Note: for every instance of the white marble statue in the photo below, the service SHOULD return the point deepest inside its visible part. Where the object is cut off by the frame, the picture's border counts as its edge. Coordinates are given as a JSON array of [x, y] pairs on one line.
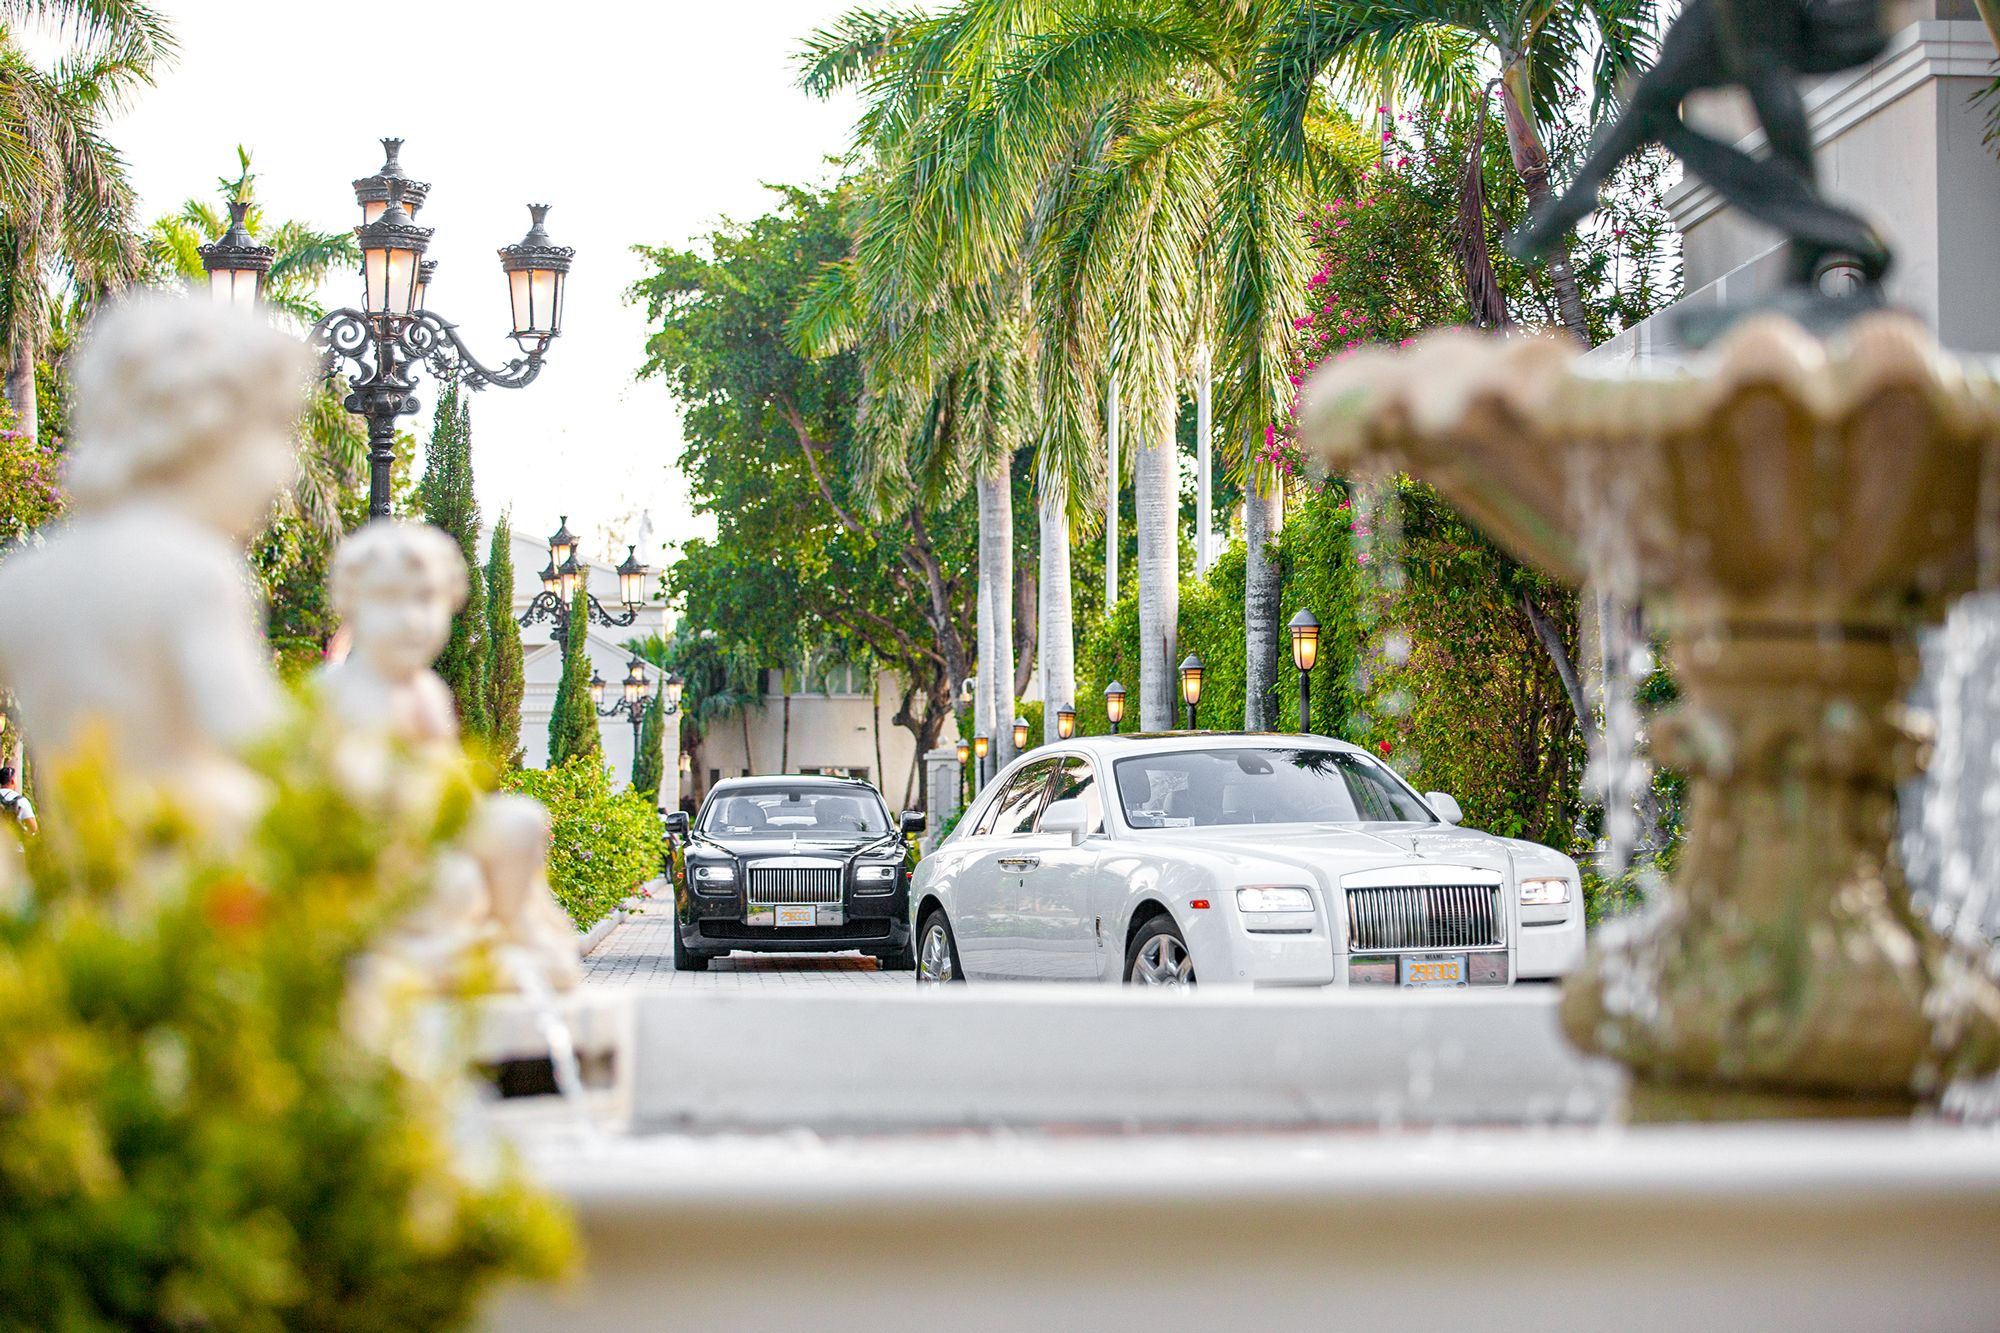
[[396, 586], [132, 628]]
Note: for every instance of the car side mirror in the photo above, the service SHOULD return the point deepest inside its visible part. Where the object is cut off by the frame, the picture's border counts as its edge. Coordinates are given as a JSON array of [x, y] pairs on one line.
[[914, 821], [677, 823], [1069, 817], [1444, 807]]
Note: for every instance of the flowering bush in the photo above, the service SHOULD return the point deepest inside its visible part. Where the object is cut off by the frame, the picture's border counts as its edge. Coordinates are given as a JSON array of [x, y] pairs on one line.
[[602, 846], [30, 481]]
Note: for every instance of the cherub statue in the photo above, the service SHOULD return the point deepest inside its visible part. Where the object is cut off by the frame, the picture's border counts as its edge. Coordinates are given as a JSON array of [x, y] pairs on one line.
[[395, 586], [132, 627], [1762, 47]]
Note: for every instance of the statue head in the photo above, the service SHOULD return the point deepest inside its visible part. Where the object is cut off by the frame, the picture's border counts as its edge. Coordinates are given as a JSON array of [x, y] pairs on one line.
[[395, 586], [188, 403], [510, 840]]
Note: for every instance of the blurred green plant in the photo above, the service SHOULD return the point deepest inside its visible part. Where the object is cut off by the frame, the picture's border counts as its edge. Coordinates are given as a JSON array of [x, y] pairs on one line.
[[192, 1136], [602, 845]]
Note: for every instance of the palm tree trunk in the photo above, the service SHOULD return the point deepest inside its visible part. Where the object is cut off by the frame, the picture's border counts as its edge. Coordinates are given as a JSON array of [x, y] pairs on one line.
[[996, 604], [1263, 520], [1156, 507], [1027, 623], [21, 390], [1531, 162], [1110, 491], [1204, 452], [1056, 608]]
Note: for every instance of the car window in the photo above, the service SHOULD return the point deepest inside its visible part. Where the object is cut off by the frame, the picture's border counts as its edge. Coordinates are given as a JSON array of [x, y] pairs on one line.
[[1077, 782], [1260, 785], [781, 810], [1022, 801]]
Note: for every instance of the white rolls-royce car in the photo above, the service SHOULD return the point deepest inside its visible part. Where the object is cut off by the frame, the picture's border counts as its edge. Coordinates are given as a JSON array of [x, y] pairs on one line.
[[1254, 859]]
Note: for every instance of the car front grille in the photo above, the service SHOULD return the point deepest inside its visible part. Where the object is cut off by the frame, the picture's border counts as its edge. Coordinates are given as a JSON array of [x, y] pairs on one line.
[[876, 928], [794, 884], [1421, 917]]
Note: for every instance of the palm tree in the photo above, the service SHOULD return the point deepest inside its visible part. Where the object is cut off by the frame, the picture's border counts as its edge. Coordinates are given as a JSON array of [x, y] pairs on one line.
[[1538, 46], [66, 208], [333, 448]]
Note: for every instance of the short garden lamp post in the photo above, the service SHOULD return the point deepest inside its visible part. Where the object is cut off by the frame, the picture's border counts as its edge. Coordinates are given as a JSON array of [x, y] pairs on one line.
[[1020, 733], [1191, 686], [1114, 705], [637, 691], [965, 768], [980, 745], [566, 570], [394, 333], [1065, 722], [1305, 652]]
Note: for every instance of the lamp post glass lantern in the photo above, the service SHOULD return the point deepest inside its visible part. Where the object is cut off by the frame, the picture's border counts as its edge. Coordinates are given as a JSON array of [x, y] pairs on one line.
[[1020, 733], [1191, 671], [235, 264], [393, 334], [1114, 705], [1305, 653], [1065, 722]]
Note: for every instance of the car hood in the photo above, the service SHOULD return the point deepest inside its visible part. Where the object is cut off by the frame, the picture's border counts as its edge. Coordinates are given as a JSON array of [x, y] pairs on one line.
[[1328, 851], [818, 844]]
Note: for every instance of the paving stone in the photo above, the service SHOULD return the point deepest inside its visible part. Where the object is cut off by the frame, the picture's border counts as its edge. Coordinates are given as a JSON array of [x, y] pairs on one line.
[[639, 954]]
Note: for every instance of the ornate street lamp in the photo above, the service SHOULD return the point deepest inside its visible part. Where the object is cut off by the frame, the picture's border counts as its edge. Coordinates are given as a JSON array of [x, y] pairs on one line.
[[1114, 704], [566, 572], [236, 264], [670, 690], [1305, 652], [394, 332], [1065, 722], [1191, 686], [637, 689], [1020, 733]]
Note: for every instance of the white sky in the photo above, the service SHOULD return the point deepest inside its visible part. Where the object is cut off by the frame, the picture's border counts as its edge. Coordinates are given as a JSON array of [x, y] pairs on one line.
[[640, 123]]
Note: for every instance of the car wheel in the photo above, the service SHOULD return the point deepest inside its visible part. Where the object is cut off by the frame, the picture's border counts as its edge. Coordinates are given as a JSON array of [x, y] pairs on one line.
[[898, 960], [1159, 956], [684, 959], [937, 951]]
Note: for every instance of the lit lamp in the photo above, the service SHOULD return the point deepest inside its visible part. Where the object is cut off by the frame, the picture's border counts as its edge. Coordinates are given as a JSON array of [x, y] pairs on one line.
[[551, 581], [536, 273], [965, 770], [1114, 705], [631, 578], [425, 272], [638, 685], [236, 264], [1065, 722], [981, 745], [392, 249], [671, 688], [1020, 733], [596, 689], [372, 192], [1305, 652], [571, 573], [687, 763], [964, 753], [1191, 686], [563, 545]]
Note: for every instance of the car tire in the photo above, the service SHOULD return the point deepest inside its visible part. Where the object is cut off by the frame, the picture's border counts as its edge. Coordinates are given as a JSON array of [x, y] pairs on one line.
[[1158, 956], [685, 959], [898, 960], [937, 957]]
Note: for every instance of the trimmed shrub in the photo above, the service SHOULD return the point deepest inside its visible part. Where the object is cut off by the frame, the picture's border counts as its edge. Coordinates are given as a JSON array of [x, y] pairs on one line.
[[601, 845]]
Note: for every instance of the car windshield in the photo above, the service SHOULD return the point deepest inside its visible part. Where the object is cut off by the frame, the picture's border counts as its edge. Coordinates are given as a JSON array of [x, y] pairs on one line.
[[781, 810], [1261, 785]]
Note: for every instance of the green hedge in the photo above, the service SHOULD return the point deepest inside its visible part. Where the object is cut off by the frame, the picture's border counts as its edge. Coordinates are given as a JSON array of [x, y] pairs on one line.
[[602, 845]]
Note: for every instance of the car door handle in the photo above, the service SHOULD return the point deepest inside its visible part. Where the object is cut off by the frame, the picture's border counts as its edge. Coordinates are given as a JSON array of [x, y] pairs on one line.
[[1019, 862]]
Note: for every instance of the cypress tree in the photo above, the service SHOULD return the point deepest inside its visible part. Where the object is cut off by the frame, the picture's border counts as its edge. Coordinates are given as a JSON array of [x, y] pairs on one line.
[[504, 679], [651, 765], [448, 503], [573, 720]]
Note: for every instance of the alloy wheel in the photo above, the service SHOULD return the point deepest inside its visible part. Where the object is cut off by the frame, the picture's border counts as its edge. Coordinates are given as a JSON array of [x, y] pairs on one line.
[[1163, 961], [934, 958]]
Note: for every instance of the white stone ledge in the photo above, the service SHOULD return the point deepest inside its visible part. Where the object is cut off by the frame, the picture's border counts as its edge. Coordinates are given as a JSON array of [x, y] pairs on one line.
[[1033, 1056]]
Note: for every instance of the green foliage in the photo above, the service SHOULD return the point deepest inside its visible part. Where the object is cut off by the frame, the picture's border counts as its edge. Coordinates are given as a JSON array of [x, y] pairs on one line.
[[31, 492], [573, 718], [449, 504], [505, 677], [194, 1136], [601, 845], [290, 559], [649, 767]]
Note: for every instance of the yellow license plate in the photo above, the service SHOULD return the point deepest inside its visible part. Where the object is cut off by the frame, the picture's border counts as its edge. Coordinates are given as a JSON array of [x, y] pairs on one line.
[[1424, 971], [791, 915]]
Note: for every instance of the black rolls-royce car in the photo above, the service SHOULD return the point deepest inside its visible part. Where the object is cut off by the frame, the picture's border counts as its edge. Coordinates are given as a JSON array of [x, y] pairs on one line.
[[793, 865]]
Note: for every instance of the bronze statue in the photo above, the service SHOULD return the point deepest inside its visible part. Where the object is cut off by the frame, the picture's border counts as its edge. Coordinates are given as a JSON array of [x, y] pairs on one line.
[[1762, 47]]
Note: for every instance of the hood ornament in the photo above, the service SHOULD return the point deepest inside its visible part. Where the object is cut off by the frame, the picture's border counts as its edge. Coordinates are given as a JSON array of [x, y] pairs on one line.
[[1416, 846]]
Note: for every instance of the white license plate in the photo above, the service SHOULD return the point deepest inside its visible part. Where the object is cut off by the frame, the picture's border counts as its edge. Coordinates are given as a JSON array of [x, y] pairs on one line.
[[1426, 970], [798, 915]]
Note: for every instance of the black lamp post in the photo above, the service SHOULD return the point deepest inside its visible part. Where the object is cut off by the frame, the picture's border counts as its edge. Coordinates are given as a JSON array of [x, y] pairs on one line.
[[559, 584], [1065, 722], [1191, 686], [394, 333], [980, 745], [637, 691], [1114, 704], [965, 770], [1305, 652]]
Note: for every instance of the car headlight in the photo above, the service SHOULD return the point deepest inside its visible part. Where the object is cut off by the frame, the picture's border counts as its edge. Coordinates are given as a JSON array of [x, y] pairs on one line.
[[1544, 892], [875, 874], [1273, 898], [715, 874]]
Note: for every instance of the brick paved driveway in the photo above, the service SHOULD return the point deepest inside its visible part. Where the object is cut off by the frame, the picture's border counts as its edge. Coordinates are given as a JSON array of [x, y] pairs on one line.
[[639, 953]]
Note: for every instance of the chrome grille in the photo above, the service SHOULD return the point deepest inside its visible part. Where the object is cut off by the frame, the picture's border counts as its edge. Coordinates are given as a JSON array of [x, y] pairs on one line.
[[1421, 917], [794, 884]]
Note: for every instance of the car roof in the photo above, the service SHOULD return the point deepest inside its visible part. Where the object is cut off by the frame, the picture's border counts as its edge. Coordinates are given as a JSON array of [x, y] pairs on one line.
[[797, 780], [1153, 742]]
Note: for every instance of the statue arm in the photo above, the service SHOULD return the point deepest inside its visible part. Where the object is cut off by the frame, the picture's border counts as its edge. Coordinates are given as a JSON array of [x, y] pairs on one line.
[[223, 662]]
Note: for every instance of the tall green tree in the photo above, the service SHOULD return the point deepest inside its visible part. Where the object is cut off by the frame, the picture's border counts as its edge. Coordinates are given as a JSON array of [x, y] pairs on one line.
[[505, 678], [450, 505], [649, 765], [573, 719]]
